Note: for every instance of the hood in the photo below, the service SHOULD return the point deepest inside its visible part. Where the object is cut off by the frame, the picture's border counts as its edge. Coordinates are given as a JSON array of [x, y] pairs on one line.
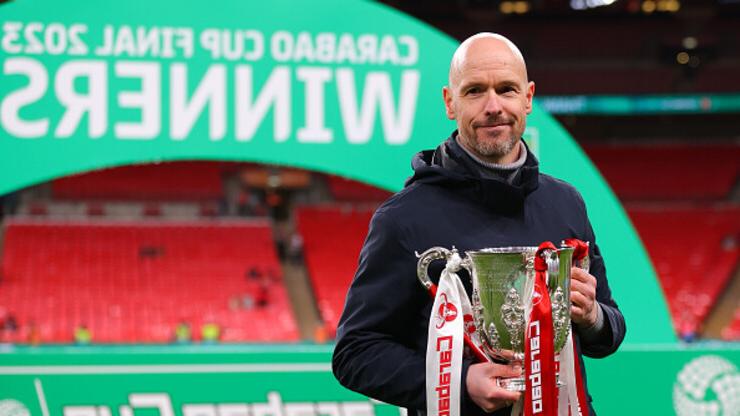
[[449, 166]]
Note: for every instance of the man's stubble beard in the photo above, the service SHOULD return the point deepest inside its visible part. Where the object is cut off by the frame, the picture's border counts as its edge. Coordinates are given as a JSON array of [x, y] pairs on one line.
[[492, 148]]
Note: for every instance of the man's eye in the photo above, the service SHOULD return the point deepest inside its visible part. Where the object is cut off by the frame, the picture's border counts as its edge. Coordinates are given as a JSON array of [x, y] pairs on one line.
[[474, 90], [507, 90]]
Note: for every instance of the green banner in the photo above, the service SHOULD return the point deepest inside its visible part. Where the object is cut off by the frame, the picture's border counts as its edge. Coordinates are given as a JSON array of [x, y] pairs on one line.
[[86, 85], [297, 380], [170, 381], [667, 379]]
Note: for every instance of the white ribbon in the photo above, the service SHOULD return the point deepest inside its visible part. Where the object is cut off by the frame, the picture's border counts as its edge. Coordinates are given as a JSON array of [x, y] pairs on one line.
[[445, 342], [568, 396]]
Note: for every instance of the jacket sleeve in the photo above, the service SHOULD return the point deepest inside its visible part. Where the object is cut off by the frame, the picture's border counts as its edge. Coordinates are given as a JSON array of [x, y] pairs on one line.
[[375, 354], [614, 329]]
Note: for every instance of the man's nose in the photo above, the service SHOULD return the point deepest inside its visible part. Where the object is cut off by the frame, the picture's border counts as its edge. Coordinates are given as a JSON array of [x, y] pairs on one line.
[[493, 103]]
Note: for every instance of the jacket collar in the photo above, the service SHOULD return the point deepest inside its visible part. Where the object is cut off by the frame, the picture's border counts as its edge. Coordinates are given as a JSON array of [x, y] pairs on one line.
[[449, 166]]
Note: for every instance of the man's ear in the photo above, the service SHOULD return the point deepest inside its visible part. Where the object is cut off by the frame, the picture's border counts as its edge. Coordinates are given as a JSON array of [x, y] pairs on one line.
[[449, 108], [530, 95]]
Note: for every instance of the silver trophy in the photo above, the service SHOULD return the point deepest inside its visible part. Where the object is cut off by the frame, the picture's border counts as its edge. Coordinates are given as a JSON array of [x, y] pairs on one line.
[[503, 285]]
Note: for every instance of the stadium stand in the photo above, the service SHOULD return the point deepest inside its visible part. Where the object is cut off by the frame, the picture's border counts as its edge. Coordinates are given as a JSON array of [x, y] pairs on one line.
[[695, 252], [718, 78], [679, 196], [603, 80], [332, 239], [134, 281], [175, 181], [347, 190], [668, 171], [624, 53]]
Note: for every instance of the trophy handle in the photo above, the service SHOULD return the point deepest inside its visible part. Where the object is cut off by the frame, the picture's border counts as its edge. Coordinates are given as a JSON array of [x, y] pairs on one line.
[[585, 262], [580, 253], [422, 272], [425, 259]]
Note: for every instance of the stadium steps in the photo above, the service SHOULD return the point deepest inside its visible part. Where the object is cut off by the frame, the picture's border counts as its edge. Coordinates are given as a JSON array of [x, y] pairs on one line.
[[735, 194], [723, 321], [302, 299], [333, 236], [732, 331]]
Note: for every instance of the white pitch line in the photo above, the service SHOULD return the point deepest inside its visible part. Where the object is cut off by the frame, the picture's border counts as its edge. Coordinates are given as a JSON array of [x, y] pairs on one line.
[[42, 397], [164, 369]]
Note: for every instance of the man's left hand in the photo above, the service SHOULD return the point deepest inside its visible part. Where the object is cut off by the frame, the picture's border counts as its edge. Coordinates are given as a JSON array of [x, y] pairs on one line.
[[583, 309]]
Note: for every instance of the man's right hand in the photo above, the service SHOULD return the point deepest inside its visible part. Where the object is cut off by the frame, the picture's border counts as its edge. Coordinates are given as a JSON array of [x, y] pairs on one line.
[[483, 388]]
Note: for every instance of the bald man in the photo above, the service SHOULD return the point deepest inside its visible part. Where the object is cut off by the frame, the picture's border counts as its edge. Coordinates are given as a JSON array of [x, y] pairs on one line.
[[489, 96], [480, 188]]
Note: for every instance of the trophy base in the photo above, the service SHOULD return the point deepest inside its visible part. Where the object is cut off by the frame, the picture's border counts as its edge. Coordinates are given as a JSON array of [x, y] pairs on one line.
[[519, 383]]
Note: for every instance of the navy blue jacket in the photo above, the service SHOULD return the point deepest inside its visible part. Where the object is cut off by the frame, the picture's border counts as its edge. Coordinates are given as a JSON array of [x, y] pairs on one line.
[[382, 334]]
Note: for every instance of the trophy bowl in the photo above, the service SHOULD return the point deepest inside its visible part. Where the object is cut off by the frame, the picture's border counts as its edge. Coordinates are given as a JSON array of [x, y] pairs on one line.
[[503, 287]]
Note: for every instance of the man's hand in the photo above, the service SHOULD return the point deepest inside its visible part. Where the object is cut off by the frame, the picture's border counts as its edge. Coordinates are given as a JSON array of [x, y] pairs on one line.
[[483, 388], [583, 309]]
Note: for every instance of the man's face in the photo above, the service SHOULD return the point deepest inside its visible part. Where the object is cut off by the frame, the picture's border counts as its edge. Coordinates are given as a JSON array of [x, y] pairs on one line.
[[489, 97]]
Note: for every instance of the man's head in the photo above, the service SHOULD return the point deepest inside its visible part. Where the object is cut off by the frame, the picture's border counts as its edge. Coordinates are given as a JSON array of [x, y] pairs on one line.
[[489, 96]]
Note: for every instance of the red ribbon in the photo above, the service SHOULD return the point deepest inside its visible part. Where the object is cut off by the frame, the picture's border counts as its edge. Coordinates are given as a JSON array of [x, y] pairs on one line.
[[580, 253], [540, 396], [580, 249]]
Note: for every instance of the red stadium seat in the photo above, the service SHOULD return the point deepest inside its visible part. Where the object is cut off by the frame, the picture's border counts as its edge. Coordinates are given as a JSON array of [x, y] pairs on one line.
[[134, 281], [174, 181], [672, 171], [694, 251], [347, 190]]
